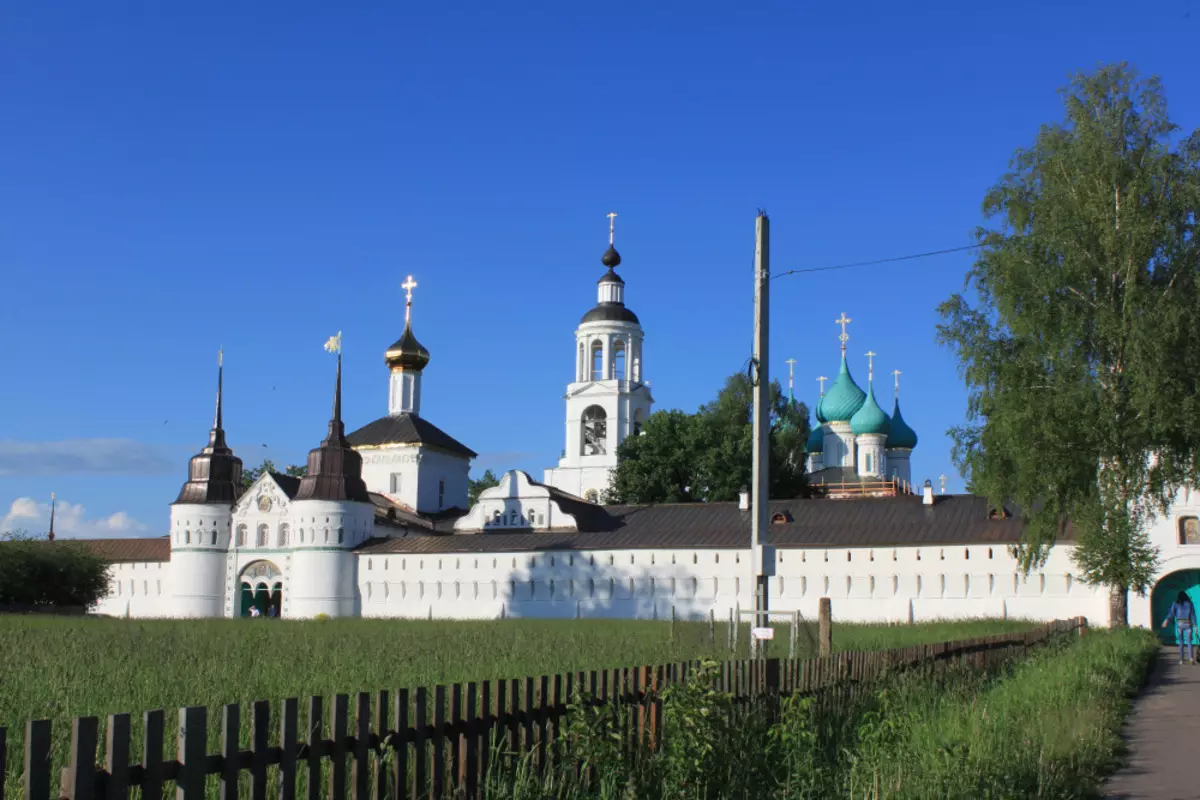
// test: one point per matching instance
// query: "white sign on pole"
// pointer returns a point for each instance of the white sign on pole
(762, 633)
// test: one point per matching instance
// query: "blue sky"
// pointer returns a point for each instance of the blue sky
(177, 177)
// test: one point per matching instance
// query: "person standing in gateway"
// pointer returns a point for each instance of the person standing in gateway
(1184, 614)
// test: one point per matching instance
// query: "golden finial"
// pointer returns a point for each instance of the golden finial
(843, 337)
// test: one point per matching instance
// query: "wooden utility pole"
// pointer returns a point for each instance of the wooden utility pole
(760, 491)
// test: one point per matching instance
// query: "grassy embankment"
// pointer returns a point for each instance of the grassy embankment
(1045, 727)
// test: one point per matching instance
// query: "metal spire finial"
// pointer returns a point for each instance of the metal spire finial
(942, 479)
(50, 535)
(612, 215)
(871, 366)
(821, 380)
(791, 362)
(408, 285)
(897, 374)
(843, 337)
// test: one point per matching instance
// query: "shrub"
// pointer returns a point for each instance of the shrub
(37, 572)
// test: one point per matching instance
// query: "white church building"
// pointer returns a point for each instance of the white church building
(379, 525)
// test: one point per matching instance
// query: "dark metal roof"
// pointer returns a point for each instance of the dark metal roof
(288, 483)
(407, 429)
(867, 522)
(611, 257)
(334, 468)
(610, 312)
(215, 473)
(117, 551)
(611, 277)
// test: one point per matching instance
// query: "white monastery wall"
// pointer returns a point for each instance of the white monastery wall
(137, 589)
(865, 584)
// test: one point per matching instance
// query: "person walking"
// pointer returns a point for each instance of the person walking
(1184, 615)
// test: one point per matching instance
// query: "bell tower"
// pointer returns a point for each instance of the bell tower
(609, 399)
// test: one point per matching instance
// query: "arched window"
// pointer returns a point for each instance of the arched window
(597, 360)
(214, 538)
(241, 535)
(581, 367)
(187, 537)
(341, 535)
(617, 370)
(637, 422)
(261, 539)
(1189, 530)
(285, 535)
(594, 432)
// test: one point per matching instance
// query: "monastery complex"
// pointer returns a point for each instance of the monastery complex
(379, 526)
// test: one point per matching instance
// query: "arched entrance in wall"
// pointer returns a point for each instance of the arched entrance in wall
(1164, 593)
(261, 586)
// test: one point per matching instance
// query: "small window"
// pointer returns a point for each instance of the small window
(868, 463)
(214, 538)
(395, 482)
(341, 535)
(285, 535)
(1189, 530)
(187, 537)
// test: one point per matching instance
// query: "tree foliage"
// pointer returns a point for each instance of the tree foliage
(474, 487)
(1082, 352)
(250, 475)
(38, 572)
(707, 456)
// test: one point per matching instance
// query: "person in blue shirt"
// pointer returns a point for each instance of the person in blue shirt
(1184, 614)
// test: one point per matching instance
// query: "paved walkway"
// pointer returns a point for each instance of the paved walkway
(1163, 734)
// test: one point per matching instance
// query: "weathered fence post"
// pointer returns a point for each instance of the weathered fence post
(825, 623)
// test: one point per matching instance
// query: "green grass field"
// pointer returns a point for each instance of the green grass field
(58, 668)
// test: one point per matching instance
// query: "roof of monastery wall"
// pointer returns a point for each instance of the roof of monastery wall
(867, 522)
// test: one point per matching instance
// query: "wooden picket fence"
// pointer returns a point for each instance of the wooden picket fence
(437, 742)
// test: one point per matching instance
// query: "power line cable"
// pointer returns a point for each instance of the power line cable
(877, 261)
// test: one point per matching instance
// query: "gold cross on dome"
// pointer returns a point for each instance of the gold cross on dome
(871, 364)
(791, 362)
(612, 215)
(843, 337)
(942, 479)
(821, 380)
(896, 373)
(408, 285)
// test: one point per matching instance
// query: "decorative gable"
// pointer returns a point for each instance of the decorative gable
(516, 504)
(264, 496)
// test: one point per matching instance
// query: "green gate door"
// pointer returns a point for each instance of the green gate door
(1164, 593)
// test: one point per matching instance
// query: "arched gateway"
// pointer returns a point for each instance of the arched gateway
(1164, 593)
(261, 585)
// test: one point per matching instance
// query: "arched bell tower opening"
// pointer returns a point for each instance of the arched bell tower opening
(608, 401)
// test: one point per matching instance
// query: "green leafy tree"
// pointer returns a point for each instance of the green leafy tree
(251, 474)
(474, 487)
(1082, 353)
(707, 456)
(38, 572)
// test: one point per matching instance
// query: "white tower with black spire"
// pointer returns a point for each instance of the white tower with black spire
(609, 398)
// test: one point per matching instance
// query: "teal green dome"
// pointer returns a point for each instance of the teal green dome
(870, 418)
(816, 441)
(843, 399)
(901, 435)
(786, 423)
(820, 417)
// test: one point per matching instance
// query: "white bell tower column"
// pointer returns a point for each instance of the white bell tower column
(609, 399)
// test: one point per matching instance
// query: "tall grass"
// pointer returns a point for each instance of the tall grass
(1045, 727)
(59, 668)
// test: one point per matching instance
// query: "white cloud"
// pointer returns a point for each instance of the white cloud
(70, 521)
(82, 457)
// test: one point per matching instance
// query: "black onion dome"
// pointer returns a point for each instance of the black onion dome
(610, 312)
(407, 352)
(611, 258)
(215, 473)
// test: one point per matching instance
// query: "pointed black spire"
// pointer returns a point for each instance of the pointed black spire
(334, 468)
(50, 535)
(215, 473)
